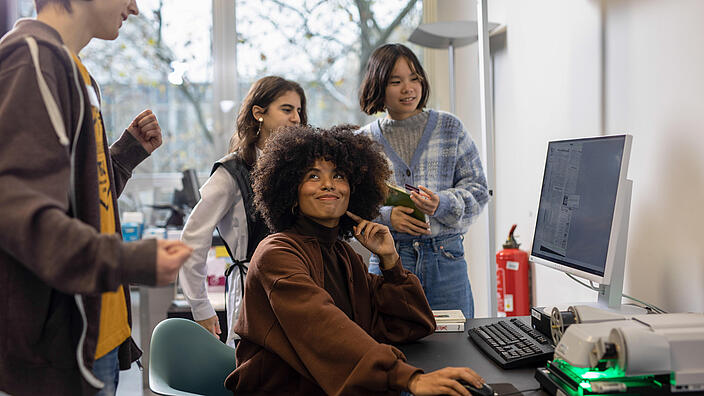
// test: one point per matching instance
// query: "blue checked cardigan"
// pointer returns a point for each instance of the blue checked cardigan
(445, 161)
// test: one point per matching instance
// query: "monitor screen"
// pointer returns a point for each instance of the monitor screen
(578, 201)
(189, 195)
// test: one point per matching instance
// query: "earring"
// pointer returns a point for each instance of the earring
(261, 120)
(293, 208)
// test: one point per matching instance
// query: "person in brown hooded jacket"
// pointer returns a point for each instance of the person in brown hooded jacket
(313, 320)
(64, 269)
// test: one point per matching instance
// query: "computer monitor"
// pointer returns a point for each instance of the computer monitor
(582, 222)
(189, 195)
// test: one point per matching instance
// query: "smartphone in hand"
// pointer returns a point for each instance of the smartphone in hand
(412, 188)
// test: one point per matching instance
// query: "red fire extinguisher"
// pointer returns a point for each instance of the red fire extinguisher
(512, 279)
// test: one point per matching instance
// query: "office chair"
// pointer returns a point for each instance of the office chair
(186, 360)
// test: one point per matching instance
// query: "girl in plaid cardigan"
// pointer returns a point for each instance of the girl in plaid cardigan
(430, 150)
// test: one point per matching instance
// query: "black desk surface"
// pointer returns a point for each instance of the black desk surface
(455, 349)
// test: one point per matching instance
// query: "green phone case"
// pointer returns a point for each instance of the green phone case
(400, 197)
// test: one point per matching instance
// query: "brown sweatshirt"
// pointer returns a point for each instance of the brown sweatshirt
(54, 263)
(296, 341)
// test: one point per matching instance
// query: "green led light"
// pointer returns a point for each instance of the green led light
(590, 373)
(584, 377)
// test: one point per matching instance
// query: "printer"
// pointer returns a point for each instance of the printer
(629, 355)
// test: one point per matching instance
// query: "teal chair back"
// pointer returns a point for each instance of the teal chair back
(185, 359)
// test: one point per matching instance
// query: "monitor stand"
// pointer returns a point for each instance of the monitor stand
(610, 296)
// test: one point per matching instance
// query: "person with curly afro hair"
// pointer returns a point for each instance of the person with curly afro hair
(282, 169)
(313, 320)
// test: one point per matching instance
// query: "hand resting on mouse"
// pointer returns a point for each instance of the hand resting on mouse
(445, 382)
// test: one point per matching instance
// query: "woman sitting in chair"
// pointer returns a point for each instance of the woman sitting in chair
(313, 321)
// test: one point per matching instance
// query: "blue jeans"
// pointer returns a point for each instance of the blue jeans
(440, 265)
(107, 369)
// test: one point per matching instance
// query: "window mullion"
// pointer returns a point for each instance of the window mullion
(225, 92)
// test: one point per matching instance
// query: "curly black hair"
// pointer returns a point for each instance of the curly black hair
(291, 152)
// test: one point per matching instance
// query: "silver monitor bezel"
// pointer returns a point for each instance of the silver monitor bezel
(616, 222)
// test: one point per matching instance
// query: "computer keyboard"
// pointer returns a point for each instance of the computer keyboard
(511, 343)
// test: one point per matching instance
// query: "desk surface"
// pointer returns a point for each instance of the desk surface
(455, 349)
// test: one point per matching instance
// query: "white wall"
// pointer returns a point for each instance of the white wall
(548, 85)
(655, 91)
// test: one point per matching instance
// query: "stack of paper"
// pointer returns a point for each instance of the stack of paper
(449, 320)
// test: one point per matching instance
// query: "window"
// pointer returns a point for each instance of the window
(25, 8)
(163, 60)
(323, 45)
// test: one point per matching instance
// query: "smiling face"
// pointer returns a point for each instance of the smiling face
(324, 193)
(403, 91)
(107, 16)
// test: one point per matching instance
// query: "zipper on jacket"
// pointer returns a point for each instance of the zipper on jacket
(85, 372)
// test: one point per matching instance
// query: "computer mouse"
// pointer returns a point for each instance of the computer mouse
(485, 390)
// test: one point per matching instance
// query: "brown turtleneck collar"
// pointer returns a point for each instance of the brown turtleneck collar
(327, 236)
(336, 275)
